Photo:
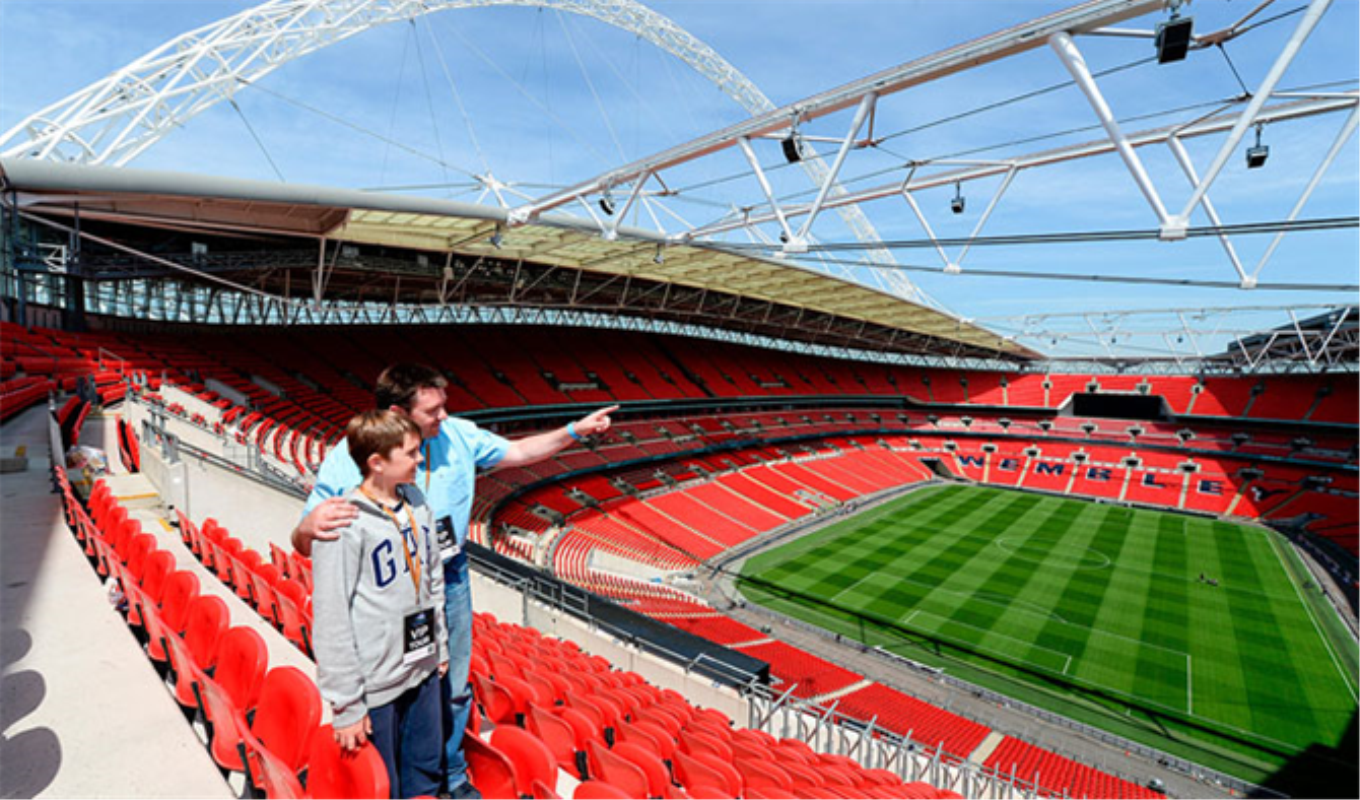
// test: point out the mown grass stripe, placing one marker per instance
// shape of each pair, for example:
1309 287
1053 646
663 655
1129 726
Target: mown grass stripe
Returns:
1165 618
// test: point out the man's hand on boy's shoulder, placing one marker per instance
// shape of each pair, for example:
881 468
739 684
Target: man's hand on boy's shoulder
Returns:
324 522
352 737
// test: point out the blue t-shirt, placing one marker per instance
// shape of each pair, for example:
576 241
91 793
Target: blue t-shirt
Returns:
448 476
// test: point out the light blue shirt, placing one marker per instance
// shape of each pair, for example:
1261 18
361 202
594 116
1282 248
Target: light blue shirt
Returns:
448 477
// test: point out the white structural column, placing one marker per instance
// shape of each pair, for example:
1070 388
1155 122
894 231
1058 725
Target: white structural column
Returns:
1188 166
1071 57
1342 137
1311 16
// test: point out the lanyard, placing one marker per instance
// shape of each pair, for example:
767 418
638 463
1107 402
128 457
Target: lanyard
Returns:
412 565
428 469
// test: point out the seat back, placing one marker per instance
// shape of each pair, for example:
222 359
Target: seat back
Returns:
242 658
333 773
180 588
159 565
658 777
557 734
137 550
617 771
489 769
533 761
271 774
203 628
599 790
287 715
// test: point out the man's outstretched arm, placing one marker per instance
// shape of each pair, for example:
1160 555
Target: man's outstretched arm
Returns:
533 449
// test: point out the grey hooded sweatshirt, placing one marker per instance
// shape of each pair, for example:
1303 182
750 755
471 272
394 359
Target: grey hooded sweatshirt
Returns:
362 594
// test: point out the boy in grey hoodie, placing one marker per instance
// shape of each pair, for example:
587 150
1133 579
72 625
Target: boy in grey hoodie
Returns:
378 607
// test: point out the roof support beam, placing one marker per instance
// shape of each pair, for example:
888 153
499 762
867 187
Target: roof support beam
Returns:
1311 17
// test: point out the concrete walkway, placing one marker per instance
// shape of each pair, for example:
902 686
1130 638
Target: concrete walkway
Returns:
84 713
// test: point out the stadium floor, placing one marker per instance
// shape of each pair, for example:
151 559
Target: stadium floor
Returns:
1087 597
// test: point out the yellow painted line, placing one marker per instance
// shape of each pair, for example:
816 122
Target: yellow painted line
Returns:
165 525
124 497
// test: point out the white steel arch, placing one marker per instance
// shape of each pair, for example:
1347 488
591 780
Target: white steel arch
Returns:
114 119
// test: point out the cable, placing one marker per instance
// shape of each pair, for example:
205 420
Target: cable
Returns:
1086 278
359 129
256 137
1323 224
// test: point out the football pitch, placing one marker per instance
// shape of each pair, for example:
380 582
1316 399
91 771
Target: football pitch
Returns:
1106 614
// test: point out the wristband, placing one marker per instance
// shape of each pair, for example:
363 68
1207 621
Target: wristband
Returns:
571 431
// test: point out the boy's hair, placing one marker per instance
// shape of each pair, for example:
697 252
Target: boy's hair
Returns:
378 431
399 383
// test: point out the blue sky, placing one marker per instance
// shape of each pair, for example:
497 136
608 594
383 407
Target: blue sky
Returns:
533 83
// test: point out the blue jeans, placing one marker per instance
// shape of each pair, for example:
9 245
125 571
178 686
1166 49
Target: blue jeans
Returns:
456 693
407 733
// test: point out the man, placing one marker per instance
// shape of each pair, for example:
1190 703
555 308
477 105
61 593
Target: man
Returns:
454 449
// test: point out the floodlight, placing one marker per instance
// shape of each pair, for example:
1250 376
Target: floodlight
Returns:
607 203
1173 39
956 205
498 238
1257 153
660 257
792 152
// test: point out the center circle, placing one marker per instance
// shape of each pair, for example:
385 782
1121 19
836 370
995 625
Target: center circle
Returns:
1052 552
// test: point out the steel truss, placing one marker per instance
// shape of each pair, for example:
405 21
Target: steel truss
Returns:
794 218
117 118
1325 341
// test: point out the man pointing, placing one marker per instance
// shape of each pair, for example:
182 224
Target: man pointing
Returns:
453 449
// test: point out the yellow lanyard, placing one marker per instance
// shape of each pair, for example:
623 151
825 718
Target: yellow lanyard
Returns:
427 468
412 565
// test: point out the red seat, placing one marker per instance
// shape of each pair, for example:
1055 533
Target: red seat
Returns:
181 587
287 715
291 600
762 773
599 790
558 735
496 701
696 743
693 772
276 778
159 565
489 769
533 761
206 622
333 773
227 726
189 679
658 776
617 771
262 581
138 548
242 658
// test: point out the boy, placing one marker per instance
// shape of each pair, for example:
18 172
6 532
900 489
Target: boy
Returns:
381 643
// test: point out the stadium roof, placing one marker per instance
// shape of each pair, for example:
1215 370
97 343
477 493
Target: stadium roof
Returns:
556 261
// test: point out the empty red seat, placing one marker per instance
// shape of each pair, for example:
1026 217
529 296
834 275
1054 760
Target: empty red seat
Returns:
658 776
532 759
333 773
287 715
489 769
599 790
204 625
159 565
559 736
180 588
242 658
616 770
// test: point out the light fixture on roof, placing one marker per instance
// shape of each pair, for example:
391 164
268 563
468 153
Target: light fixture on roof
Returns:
660 257
1257 153
793 151
956 205
498 237
1174 37
607 203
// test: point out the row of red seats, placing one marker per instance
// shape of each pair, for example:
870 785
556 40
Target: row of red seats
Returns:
557 708
1057 774
261 722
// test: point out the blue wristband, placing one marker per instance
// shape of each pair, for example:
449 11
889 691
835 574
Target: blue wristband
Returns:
571 431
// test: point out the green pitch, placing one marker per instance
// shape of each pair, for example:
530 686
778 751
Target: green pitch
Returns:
1096 611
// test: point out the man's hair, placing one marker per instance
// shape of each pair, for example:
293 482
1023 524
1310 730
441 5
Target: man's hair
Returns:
399 383
378 431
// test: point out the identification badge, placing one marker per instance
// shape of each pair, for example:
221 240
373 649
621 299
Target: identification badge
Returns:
448 542
418 636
